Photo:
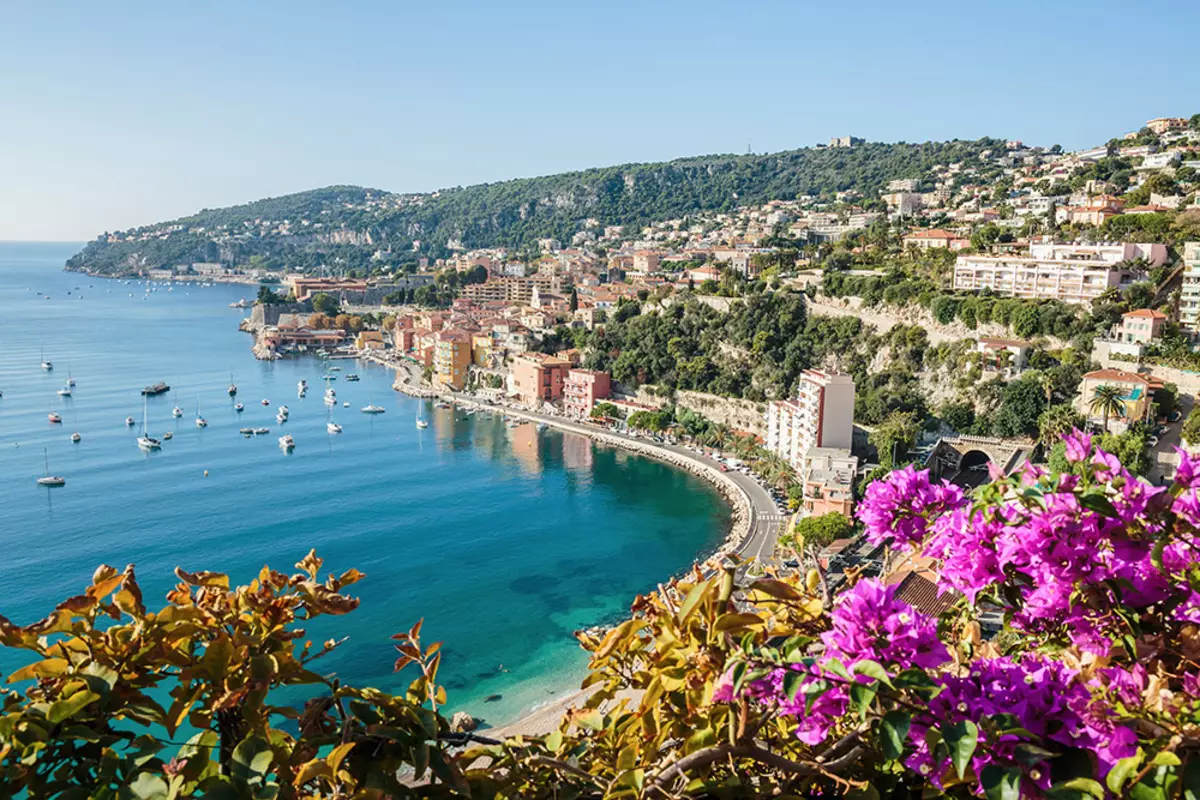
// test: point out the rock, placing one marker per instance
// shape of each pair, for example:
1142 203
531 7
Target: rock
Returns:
491 698
462 722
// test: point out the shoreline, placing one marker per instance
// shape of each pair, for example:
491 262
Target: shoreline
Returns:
545 718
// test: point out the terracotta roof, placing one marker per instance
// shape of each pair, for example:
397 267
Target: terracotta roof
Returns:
993 341
1116 375
1145 312
922 594
933 233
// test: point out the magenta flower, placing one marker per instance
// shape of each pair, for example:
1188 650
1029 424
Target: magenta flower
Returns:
870 623
899 508
1079 446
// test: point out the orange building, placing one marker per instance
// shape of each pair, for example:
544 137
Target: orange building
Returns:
538 377
451 358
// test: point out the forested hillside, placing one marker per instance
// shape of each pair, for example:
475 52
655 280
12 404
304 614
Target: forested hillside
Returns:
351 225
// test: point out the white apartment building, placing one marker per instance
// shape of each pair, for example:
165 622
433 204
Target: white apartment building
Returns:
1189 300
1072 273
821 415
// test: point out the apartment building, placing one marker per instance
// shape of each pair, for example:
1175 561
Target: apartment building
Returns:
1072 273
821 415
582 388
538 378
828 480
1189 301
451 358
503 289
1136 392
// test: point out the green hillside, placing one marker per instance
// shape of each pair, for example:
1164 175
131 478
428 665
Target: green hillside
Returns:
347 225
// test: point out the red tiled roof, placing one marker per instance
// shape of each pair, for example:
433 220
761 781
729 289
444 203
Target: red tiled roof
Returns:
1145 312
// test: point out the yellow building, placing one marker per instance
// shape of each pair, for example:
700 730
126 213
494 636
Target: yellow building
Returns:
369 340
1135 390
451 358
481 349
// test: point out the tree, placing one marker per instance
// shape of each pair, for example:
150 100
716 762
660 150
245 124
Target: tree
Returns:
958 415
1107 401
1021 404
319 322
818 532
894 437
573 300
324 303
605 411
268 297
1056 422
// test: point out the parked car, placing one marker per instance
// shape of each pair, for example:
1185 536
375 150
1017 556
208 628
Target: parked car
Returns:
1152 441
1174 416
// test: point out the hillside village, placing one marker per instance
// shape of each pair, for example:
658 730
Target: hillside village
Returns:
965 316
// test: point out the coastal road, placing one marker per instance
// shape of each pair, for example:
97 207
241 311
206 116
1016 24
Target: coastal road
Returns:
766 521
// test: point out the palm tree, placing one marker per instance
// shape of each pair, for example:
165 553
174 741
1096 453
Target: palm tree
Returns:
1108 400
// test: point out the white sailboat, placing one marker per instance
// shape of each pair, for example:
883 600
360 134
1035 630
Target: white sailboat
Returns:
176 412
201 422
65 391
144 439
46 365
48 479
330 425
70 377
421 422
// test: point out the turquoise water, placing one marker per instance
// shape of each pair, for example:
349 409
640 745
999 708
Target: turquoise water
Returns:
504 540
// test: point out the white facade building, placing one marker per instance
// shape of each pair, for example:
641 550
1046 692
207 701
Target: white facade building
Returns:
1072 273
821 415
1189 300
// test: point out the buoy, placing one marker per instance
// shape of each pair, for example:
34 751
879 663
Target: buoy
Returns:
206 473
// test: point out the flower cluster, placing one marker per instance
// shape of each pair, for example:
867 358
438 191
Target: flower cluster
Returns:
1047 703
870 623
899 508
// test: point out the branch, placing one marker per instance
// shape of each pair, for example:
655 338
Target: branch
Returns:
464 737
554 763
710 755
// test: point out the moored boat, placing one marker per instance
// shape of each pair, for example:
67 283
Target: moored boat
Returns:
156 389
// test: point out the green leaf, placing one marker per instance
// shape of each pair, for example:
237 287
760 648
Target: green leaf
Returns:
692 599
251 759
861 697
791 684
70 706
217 657
961 738
1000 783
893 731
1122 771
1166 759
148 786
1086 785
554 741
872 669
1099 503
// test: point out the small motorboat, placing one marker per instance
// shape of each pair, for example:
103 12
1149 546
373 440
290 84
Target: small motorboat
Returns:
373 409
46 365
232 389
201 422
261 431
286 442
266 402
168 436
422 424
284 410
351 378
75 437
55 418
302 385
333 427
345 404
156 389
176 412
129 421
65 391
281 418
239 408
246 431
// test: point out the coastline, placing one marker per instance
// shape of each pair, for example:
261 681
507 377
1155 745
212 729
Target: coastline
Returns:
545 718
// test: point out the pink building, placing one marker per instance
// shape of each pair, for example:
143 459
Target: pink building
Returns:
582 388
538 377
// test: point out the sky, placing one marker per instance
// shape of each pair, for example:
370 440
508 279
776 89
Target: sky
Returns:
114 115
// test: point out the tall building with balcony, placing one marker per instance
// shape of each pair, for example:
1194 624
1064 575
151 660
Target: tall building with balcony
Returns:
821 415
582 388
1189 300
451 358
1071 273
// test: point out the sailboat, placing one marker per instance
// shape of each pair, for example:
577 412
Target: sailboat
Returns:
46 365
70 377
176 412
65 391
232 386
145 440
201 422
330 425
48 479
421 421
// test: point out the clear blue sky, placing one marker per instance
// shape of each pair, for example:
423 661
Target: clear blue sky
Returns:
119 114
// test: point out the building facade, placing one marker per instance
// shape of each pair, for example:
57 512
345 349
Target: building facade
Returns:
451 358
828 479
582 388
538 378
1071 273
1189 301
821 415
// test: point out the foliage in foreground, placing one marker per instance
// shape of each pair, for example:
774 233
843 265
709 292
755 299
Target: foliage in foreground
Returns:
1090 689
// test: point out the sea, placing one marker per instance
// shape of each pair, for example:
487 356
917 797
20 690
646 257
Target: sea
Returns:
503 540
